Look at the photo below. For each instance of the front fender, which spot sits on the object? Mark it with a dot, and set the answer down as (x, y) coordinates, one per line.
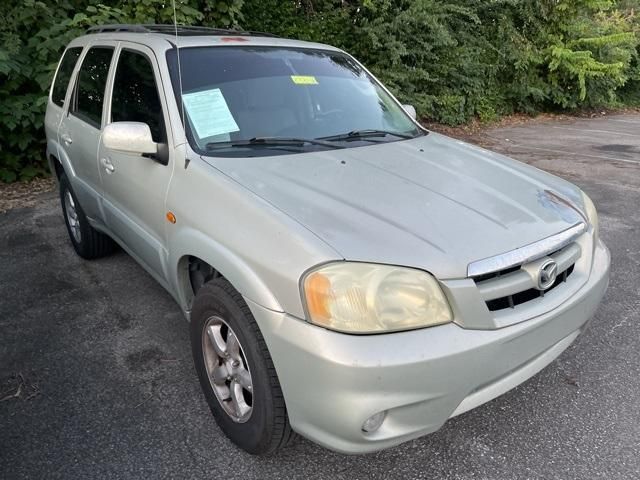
(191, 242)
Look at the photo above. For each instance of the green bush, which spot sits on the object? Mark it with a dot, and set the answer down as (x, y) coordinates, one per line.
(33, 35)
(453, 59)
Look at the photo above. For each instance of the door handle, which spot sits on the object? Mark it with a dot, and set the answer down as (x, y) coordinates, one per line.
(66, 138)
(108, 166)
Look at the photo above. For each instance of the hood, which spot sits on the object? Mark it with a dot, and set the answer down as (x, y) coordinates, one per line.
(432, 202)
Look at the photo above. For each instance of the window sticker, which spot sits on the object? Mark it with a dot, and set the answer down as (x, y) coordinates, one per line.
(209, 113)
(304, 79)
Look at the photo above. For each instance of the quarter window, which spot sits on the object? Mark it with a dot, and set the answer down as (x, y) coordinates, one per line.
(92, 80)
(67, 64)
(135, 94)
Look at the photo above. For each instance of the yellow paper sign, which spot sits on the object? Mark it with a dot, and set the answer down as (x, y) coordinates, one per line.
(304, 79)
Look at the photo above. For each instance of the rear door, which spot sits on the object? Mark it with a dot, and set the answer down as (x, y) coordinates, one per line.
(81, 126)
(58, 97)
(135, 186)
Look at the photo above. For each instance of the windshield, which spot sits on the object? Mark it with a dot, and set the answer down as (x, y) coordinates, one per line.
(234, 96)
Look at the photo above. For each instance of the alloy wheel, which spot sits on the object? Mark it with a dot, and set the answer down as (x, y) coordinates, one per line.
(72, 216)
(227, 369)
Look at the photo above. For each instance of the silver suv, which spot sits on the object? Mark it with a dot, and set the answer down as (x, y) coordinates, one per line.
(348, 275)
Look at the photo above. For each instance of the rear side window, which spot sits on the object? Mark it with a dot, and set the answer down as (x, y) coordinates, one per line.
(135, 94)
(91, 83)
(67, 64)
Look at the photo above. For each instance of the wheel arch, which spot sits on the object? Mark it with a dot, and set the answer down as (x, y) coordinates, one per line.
(196, 251)
(56, 167)
(58, 160)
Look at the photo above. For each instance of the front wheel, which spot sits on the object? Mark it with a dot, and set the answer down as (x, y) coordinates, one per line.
(235, 370)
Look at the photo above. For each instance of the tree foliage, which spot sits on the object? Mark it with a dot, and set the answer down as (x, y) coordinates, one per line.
(453, 59)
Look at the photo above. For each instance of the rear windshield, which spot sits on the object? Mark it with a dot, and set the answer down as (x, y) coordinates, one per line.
(233, 94)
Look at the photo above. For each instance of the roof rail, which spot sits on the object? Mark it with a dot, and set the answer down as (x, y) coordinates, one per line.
(182, 30)
(117, 27)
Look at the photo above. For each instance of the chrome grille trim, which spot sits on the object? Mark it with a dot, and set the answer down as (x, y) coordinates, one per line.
(527, 253)
(522, 279)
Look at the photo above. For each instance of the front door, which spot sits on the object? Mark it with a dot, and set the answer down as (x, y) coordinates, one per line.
(135, 186)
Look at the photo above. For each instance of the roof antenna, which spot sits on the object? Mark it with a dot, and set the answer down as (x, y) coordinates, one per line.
(184, 120)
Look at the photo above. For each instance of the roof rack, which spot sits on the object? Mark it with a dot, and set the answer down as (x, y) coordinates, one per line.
(182, 30)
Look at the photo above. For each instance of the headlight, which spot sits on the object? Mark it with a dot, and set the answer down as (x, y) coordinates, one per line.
(369, 298)
(592, 214)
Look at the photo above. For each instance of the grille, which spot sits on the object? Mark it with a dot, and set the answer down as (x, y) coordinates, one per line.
(511, 301)
(515, 286)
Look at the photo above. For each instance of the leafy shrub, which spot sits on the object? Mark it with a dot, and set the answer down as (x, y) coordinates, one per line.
(453, 59)
(459, 59)
(33, 35)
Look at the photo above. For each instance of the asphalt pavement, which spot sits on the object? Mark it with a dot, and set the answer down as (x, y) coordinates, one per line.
(97, 381)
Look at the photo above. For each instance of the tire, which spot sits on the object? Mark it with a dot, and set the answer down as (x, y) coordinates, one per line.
(219, 312)
(87, 241)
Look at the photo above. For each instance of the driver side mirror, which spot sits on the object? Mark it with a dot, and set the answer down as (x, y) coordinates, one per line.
(411, 110)
(130, 137)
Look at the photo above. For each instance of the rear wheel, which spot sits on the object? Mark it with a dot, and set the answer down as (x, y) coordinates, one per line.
(86, 241)
(236, 371)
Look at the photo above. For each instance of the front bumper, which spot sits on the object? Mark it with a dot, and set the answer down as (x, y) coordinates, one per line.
(333, 382)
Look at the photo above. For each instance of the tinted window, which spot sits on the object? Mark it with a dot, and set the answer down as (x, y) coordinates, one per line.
(91, 83)
(63, 76)
(135, 95)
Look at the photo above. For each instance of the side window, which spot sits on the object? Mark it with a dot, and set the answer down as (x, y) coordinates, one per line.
(135, 94)
(67, 64)
(91, 83)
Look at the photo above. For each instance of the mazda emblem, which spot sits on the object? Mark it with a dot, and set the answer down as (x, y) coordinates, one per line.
(547, 274)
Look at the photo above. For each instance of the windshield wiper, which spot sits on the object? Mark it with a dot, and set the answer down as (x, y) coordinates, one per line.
(271, 142)
(364, 135)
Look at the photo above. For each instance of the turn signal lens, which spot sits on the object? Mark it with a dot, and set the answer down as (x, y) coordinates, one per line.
(318, 297)
(370, 298)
